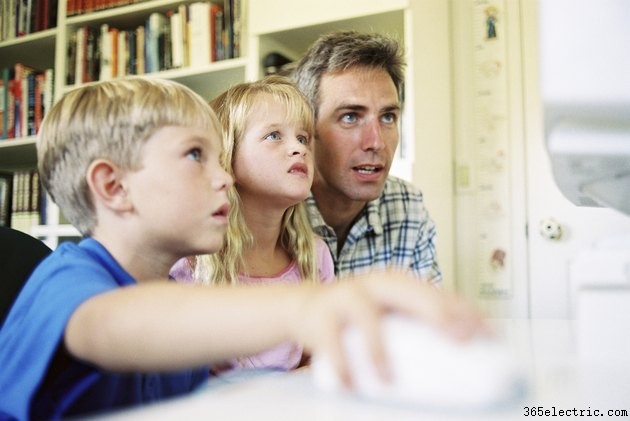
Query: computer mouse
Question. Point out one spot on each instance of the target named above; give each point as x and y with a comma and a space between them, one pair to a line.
429, 368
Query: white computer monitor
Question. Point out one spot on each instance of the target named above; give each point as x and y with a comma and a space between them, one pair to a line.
585, 82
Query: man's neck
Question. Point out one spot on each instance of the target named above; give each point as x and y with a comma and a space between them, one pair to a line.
338, 213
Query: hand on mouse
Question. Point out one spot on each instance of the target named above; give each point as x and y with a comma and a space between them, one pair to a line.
362, 301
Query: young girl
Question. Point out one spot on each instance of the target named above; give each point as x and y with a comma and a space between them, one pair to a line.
267, 128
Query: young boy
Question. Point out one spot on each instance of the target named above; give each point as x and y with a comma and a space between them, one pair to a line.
134, 165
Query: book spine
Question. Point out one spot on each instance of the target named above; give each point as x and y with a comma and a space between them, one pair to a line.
40, 86
48, 91
105, 42
3, 107
183, 15
30, 104
140, 63
177, 56
79, 64
199, 31
131, 47
6, 198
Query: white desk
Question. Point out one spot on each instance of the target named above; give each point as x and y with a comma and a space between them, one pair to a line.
559, 379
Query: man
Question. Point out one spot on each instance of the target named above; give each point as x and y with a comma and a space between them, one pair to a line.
369, 219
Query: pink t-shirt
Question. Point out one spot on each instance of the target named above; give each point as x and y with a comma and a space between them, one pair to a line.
285, 356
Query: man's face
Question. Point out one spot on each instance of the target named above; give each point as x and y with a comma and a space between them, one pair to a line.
357, 133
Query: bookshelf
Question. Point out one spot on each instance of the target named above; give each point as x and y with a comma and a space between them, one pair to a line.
288, 27
51, 48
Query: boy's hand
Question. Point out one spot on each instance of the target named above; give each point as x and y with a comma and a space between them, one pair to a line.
362, 301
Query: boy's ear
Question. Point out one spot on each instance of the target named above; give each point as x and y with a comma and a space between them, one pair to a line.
106, 184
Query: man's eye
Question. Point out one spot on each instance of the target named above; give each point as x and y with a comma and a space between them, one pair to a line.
304, 140
389, 118
194, 154
273, 136
349, 118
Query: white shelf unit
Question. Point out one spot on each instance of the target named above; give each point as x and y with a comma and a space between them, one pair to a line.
289, 27
49, 49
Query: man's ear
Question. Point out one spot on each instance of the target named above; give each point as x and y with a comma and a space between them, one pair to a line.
106, 184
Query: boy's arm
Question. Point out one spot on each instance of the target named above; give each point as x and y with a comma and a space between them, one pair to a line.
163, 326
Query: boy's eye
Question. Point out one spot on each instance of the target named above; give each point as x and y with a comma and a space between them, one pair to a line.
304, 140
194, 154
273, 136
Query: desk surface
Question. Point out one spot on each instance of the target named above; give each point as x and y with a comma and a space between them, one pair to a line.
560, 380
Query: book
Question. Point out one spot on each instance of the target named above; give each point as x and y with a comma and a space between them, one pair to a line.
122, 54
6, 197
26, 200
113, 45
105, 42
80, 65
153, 36
9, 112
140, 62
20, 94
131, 51
228, 30
7, 76
30, 83
38, 109
47, 96
183, 15
177, 55
71, 54
199, 34
216, 31
2, 108
219, 29
92, 57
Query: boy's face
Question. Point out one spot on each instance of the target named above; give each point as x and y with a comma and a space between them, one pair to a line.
273, 163
179, 193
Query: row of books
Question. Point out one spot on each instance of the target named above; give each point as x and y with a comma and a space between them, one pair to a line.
23, 17
22, 200
78, 7
191, 35
26, 94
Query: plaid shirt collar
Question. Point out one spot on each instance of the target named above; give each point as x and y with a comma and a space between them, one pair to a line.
369, 218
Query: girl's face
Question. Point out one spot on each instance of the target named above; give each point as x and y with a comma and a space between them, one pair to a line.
273, 162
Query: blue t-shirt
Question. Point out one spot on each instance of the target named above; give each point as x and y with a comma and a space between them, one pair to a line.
38, 378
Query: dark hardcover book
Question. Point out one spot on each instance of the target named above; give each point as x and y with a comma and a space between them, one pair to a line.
216, 36
6, 197
30, 105
92, 60
71, 59
51, 14
228, 32
131, 47
7, 76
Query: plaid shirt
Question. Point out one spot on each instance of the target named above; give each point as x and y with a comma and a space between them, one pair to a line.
393, 230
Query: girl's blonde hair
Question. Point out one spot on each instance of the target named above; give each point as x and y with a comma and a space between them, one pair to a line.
108, 120
233, 107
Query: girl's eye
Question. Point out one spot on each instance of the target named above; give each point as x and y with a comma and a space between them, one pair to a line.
273, 136
194, 154
304, 140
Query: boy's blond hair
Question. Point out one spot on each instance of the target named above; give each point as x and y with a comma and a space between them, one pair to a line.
109, 120
233, 108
